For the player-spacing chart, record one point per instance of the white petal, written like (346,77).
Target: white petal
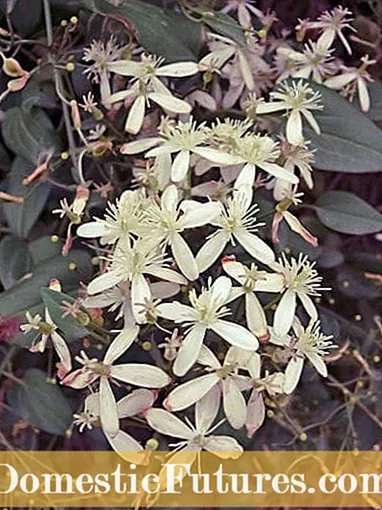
(170,103)
(253,365)
(138,374)
(255,413)
(312,121)
(184,257)
(256,319)
(235,335)
(120,344)
(92,229)
(166,274)
(207,358)
(338,82)
(140,293)
(103,282)
(207,408)
(246,177)
(176,311)
(201,214)
(180,166)
(189,350)
(167,424)
(271,283)
(127,448)
(294,128)
(317,362)
(62,350)
(224,447)
(233,404)
(293,374)
(221,289)
(135,403)
(270,107)
(309,306)
(235,270)
(125,67)
(108,409)
(136,116)
(363,95)
(138,146)
(190,392)
(169,198)
(279,172)
(160,290)
(216,156)
(211,250)
(255,246)
(178,70)
(284,313)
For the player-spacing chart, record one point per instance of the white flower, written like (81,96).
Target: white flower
(148,87)
(244,10)
(298,99)
(332,24)
(131,261)
(252,280)
(315,61)
(301,281)
(308,343)
(206,312)
(171,345)
(221,381)
(260,151)
(138,374)
(48,330)
(89,417)
(195,438)
(118,299)
(271,383)
(236,223)
(102,55)
(168,220)
(186,138)
(122,219)
(354,79)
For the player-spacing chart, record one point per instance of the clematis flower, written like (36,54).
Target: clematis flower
(206,312)
(221,381)
(273,384)
(306,343)
(137,374)
(119,299)
(354,79)
(122,219)
(301,281)
(236,223)
(148,87)
(298,99)
(48,330)
(252,280)
(332,23)
(167,221)
(244,9)
(130,262)
(198,437)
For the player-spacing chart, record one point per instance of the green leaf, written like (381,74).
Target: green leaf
(345,212)
(160,31)
(41,404)
(43,249)
(349,141)
(22,217)
(29,133)
(225,25)
(15,260)
(26,294)
(53,300)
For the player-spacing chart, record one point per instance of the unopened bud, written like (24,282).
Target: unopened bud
(70,67)
(152,444)
(72,266)
(147,346)
(74,20)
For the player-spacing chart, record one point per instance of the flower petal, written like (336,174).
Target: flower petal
(255,413)
(309,306)
(201,214)
(136,116)
(168,424)
(120,344)
(256,319)
(138,146)
(175,311)
(92,229)
(279,172)
(317,362)
(235,335)
(169,198)
(225,447)
(180,166)
(190,392)
(184,257)
(221,289)
(170,102)
(293,374)
(216,156)
(294,128)
(233,404)
(140,293)
(189,350)
(207,409)
(255,246)
(178,70)
(207,358)
(136,402)
(103,282)
(108,408)
(139,374)
(211,250)
(285,313)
